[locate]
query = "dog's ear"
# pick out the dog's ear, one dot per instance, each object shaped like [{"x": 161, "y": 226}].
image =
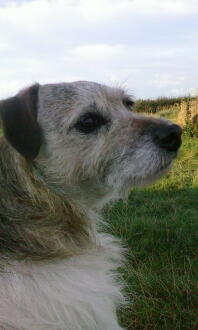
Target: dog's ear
[{"x": 19, "y": 119}]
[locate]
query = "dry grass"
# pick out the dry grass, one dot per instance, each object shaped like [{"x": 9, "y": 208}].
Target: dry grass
[{"x": 188, "y": 115}]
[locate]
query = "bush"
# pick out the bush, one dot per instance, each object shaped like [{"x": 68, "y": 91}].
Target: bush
[{"x": 153, "y": 106}]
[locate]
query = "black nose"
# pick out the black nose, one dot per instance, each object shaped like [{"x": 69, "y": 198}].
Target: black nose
[{"x": 167, "y": 136}]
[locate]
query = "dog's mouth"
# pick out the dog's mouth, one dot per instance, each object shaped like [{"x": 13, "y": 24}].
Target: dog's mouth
[
  {"x": 152, "y": 177},
  {"x": 149, "y": 178},
  {"x": 138, "y": 168}
]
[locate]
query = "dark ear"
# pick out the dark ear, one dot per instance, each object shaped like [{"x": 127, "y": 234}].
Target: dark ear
[{"x": 19, "y": 118}]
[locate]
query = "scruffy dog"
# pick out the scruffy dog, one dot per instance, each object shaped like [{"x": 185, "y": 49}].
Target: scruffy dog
[{"x": 67, "y": 150}]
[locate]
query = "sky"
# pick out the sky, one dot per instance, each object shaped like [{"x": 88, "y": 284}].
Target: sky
[{"x": 149, "y": 47}]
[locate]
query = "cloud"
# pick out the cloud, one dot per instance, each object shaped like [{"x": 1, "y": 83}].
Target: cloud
[
  {"x": 168, "y": 79},
  {"x": 142, "y": 43},
  {"x": 156, "y": 7}
]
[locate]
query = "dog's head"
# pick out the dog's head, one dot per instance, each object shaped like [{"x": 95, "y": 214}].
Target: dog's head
[{"x": 86, "y": 141}]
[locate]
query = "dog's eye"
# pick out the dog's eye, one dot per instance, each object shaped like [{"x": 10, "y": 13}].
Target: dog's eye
[
  {"x": 90, "y": 122},
  {"x": 128, "y": 102}
]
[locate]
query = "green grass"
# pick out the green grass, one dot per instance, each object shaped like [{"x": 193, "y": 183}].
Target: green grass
[{"x": 159, "y": 225}]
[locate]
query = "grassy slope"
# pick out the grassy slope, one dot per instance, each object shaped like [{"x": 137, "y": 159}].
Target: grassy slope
[{"x": 160, "y": 225}]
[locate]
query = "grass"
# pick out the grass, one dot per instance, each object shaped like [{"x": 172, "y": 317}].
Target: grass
[{"x": 159, "y": 225}]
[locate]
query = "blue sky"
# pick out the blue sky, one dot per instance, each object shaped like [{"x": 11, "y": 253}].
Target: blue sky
[{"x": 148, "y": 46}]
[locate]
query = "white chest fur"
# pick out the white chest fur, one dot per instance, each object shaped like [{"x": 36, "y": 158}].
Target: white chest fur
[{"x": 78, "y": 293}]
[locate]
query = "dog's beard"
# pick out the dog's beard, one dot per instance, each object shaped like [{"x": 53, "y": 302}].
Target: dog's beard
[{"x": 139, "y": 170}]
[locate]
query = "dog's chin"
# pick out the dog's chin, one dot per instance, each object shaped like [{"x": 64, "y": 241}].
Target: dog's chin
[
  {"x": 152, "y": 177},
  {"x": 148, "y": 179}
]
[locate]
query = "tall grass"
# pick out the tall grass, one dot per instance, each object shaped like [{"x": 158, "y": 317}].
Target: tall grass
[{"x": 188, "y": 117}]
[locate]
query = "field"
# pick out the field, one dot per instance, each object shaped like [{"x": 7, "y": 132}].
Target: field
[{"x": 159, "y": 225}]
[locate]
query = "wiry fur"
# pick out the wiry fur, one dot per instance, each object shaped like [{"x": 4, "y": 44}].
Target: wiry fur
[{"x": 56, "y": 270}]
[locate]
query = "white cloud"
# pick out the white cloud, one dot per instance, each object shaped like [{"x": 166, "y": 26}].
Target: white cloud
[
  {"x": 168, "y": 79},
  {"x": 148, "y": 43},
  {"x": 155, "y": 7},
  {"x": 99, "y": 52}
]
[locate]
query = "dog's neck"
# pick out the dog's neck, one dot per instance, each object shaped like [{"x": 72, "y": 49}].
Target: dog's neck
[{"x": 35, "y": 223}]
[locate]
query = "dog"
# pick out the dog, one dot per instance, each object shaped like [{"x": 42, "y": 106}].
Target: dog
[{"x": 67, "y": 150}]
